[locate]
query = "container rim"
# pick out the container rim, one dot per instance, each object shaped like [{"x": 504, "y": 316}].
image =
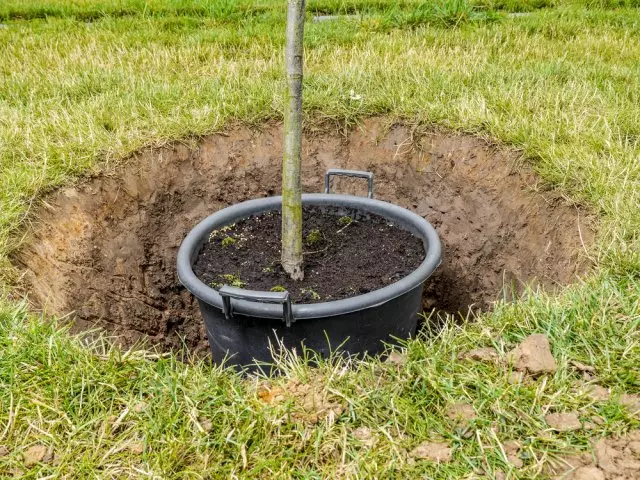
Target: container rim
[{"x": 402, "y": 217}]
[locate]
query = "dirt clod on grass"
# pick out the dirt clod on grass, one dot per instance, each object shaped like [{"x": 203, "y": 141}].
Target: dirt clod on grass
[
  {"x": 631, "y": 403},
  {"x": 36, "y": 454},
  {"x": 596, "y": 393},
  {"x": 312, "y": 401},
  {"x": 460, "y": 412},
  {"x": 563, "y": 422},
  {"x": 106, "y": 248},
  {"x": 512, "y": 451},
  {"x": 484, "y": 354},
  {"x": 366, "y": 436},
  {"x": 533, "y": 356},
  {"x": 432, "y": 452},
  {"x": 617, "y": 456},
  {"x": 462, "y": 416},
  {"x": 587, "y": 473},
  {"x": 581, "y": 367},
  {"x": 612, "y": 458}
]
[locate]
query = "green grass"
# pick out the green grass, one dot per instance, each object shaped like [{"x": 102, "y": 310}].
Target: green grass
[
  {"x": 90, "y": 10},
  {"x": 85, "y": 83},
  {"x": 194, "y": 421},
  {"x": 227, "y": 9}
]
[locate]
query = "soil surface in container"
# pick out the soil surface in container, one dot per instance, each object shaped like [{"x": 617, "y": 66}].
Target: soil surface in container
[
  {"x": 339, "y": 246},
  {"x": 104, "y": 250}
]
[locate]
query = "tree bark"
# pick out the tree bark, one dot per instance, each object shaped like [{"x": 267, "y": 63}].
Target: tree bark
[{"x": 291, "y": 165}]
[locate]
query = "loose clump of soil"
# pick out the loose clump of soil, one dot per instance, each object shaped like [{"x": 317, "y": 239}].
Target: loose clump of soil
[
  {"x": 106, "y": 248},
  {"x": 613, "y": 458},
  {"x": 338, "y": 248}
]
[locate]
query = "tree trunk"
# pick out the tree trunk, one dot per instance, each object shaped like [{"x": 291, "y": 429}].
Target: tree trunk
[{"x": 291, "y": 164}]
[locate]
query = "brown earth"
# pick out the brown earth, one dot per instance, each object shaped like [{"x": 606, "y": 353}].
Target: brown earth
[
  {"x": 437, "y": 452},
  {"x": 533, "y": 356},
  {"x": 613, "y": 458},
  {"x": 106, "y": 248},
  {"x": 337, "y": 260},
  {"x": 313, "y": 400}
]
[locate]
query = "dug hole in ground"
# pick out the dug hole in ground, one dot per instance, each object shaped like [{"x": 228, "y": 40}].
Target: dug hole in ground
[{"x": 105, "y": 248}]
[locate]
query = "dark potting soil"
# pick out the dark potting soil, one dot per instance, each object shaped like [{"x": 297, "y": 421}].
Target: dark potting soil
[{"x": 346, "y": 253}]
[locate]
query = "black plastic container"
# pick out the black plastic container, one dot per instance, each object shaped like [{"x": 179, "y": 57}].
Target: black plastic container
[{"x": 242, "y": 324}]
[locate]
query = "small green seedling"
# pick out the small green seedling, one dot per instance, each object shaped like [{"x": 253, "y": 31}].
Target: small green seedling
[
  {"x": 309, "y": 292},
  {"x": 216, "y": 233},
  {"x": 228, "y": 241},
  {"x": 278, "y": 288},
  {"x": 216, "y": 285},
  {"x": 233, "y": 280},
  {"x": 267, "y": 270},
  {"x": 314, "y": 237},
  {"x": 344, "y": 221}
]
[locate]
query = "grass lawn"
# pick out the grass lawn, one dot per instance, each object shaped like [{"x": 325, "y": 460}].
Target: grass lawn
[{"x": 83, "y": 83}]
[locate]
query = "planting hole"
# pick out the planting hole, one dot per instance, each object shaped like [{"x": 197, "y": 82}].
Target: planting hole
[{"x": 106, "y": 248}]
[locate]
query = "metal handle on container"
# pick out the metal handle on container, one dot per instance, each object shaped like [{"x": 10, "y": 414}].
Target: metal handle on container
[
  {"x": 348, "y": 173},
  {"x": 227, "y": 293}
]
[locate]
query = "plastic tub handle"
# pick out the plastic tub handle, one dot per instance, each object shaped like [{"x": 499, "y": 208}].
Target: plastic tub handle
[
  {"x": 348, "y": 173},
  {"x": 227, "y": 293}
]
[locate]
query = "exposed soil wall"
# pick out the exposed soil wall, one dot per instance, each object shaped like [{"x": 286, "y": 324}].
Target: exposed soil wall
[{"x": 106, "y": 248}]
